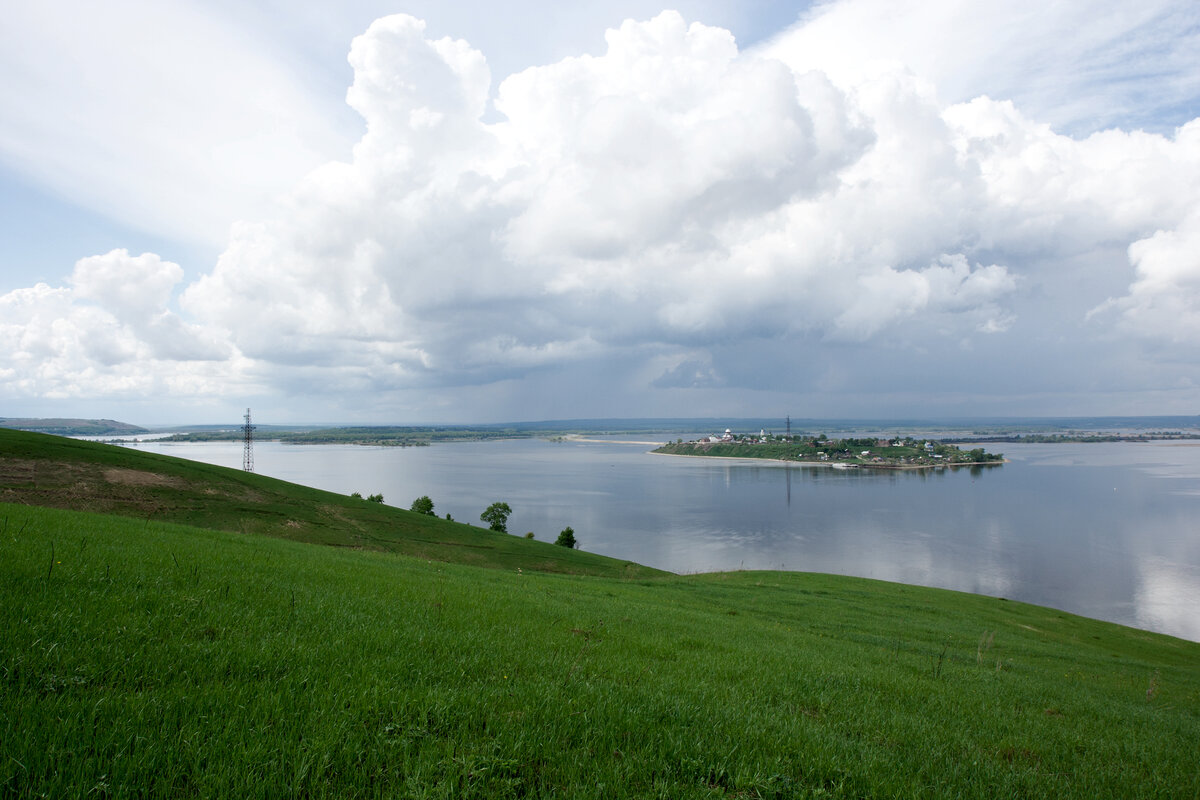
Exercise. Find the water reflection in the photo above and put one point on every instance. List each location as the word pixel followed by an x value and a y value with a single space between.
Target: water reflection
pixel 1161 601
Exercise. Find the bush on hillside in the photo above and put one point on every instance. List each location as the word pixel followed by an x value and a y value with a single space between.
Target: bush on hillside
pixel 567 537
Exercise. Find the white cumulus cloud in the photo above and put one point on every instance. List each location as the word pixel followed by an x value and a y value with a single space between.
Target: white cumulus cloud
pixel 109 333
pixel 1163 302
pixel 670 191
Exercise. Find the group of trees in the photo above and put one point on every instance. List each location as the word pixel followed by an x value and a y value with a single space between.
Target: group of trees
pixel 496 516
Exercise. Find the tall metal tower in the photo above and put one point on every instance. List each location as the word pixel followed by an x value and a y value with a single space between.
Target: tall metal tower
pixel 248 438
pixel 789 426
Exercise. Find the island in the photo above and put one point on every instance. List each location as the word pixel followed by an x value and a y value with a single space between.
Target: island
pixel 875 453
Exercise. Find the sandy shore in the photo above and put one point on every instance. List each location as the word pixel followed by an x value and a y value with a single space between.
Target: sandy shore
pixel 578 438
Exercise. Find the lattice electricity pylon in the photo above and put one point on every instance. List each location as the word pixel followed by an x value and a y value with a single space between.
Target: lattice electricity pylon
pixel 248 450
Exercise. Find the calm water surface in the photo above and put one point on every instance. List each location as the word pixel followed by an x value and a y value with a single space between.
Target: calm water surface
pixel 1105 530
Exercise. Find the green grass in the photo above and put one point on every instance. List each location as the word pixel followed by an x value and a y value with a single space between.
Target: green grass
pixel 146 659
pixel 52 471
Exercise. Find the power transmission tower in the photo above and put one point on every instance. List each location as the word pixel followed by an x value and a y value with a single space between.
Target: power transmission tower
pixel 789 426
pixel 248 438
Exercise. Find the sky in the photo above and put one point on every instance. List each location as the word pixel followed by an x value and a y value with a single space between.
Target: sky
pixel 455 211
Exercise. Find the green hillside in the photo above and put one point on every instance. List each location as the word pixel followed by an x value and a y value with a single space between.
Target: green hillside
pixel 66 473
pixel 142 658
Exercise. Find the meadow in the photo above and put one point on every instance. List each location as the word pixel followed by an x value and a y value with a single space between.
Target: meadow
pixel 147 658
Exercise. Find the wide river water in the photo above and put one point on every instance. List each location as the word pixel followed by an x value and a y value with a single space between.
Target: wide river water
pixel 1110 531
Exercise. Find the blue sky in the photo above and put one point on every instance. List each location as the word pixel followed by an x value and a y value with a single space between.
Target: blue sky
pixel 446 211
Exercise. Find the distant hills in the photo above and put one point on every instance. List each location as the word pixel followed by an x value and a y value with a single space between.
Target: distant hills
pixel 72 427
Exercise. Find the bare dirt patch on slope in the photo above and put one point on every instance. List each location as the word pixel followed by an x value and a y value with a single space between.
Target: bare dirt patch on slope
pixel 82 486
pixel 136 477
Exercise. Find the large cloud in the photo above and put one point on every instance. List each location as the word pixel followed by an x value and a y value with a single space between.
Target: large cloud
pixel 668 193
pixel 653 204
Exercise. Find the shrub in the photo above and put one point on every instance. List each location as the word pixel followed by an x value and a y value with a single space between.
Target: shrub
pixel 566 538
pixel 375 498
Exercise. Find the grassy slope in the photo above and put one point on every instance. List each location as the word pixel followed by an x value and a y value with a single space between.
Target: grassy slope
pixel 144 658
pixel 65 473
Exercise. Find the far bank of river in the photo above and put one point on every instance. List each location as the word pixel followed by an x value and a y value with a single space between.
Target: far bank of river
pixel 1104 530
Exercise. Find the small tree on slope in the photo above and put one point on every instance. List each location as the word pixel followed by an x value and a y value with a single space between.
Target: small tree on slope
pixel 496 516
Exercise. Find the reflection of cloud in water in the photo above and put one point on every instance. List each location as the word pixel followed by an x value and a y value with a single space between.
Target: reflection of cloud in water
pixel 891 547
pixel 1168 596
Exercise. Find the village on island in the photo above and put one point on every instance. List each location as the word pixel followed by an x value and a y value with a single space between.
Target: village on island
pixel 886 453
